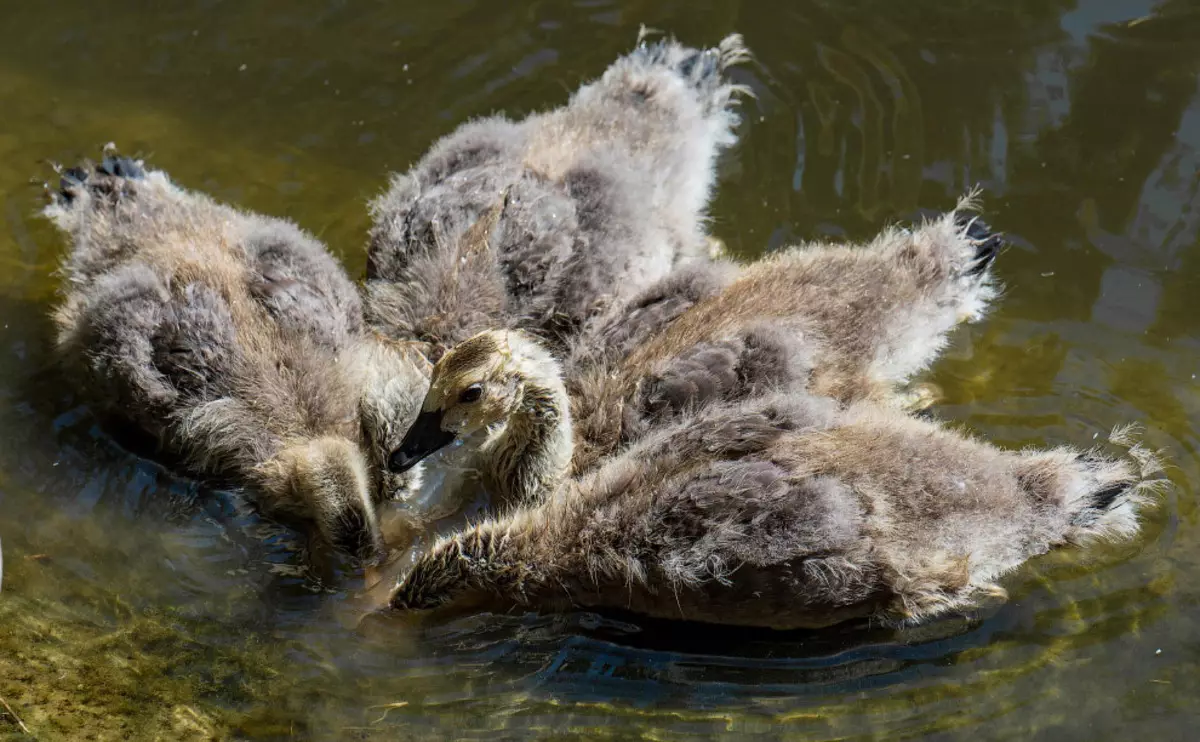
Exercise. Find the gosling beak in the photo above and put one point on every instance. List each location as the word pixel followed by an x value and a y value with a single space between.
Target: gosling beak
pixel 423 438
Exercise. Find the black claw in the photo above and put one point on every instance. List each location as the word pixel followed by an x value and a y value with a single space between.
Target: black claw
pixel 71 180
pixel 989 244
pixel 977 229
pixel 699 65
pixel 134 169
pixel 1104 499
pixel 688 64
pixel 120 167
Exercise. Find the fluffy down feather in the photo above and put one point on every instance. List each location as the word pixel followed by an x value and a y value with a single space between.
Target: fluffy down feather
pixel 232 340
pixel 544 222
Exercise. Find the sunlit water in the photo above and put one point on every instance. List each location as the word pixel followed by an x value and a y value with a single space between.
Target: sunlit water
pixel 136 605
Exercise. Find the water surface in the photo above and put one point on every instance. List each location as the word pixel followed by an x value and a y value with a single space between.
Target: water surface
pixel 140 606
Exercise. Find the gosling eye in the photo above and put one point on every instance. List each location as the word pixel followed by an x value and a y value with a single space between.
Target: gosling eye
pixel 471 394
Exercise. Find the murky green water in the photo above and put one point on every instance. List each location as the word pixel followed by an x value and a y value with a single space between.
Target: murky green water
pixel 139 606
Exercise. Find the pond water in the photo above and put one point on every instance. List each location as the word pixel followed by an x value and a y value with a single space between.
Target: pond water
pixel 139 606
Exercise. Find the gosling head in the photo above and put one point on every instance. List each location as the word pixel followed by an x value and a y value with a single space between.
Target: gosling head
pixel 392 377
pixel 477 385
pixel 327 481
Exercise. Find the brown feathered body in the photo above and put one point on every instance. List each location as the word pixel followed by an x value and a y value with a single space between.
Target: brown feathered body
pixel 234 341
pixel 542 223
pixel 850 322
pixel 785 511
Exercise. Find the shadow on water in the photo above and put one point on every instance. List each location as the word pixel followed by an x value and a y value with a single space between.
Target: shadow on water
pixel 139 605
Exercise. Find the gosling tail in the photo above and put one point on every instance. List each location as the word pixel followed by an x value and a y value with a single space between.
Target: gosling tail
pixel 1108 495
pixel 987 243
pixel 679 97
pixel 704 70
pixel 102 178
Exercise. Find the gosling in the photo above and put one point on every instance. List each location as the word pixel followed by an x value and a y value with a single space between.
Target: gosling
pixel 784 511
pixel 851 322
pixel 235 342
pixel 544 222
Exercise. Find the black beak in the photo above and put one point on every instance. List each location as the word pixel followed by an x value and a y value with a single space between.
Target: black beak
pixel 423 438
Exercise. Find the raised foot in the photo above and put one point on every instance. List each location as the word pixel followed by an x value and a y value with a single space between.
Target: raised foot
pixel 987 243
pixel 1116 490
pixel 98 176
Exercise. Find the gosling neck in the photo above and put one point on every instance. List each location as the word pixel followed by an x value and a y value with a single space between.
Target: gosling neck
pixel 533 452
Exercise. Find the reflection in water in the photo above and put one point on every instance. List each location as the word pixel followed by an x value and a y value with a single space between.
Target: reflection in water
pixel 136 604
